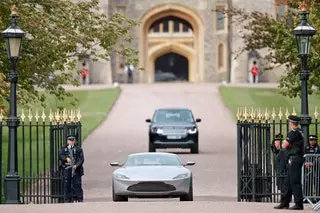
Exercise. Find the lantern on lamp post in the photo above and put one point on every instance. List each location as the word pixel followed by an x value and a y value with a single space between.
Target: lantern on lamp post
pixel 304 33
pixel 13 36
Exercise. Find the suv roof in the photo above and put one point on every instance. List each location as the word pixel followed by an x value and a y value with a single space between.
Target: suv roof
pixel 173 108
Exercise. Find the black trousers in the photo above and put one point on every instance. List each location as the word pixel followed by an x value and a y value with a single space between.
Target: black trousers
pixel 130 78
pixel 73 187
pixel 281 183
pixel 292 183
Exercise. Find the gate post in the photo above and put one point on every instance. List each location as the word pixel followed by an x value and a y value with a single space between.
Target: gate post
pixel 239 139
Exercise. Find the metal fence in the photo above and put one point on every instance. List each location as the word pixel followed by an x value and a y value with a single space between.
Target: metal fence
pixel 39 139
pixel 258 180
pixel 311 179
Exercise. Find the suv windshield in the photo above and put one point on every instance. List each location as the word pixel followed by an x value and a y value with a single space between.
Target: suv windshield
pixel 173 116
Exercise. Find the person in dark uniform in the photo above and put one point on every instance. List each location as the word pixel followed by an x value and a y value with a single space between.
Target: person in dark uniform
pixel 292 182
pixel 71 160
pixel 281 161
pixel 313 147
pixel 313 174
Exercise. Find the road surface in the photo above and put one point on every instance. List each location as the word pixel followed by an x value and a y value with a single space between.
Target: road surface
pixel 125 132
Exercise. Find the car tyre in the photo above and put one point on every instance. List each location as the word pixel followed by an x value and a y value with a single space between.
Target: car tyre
pixel 151 148
pixel 189 196
pixel 118 198
pixel 195 149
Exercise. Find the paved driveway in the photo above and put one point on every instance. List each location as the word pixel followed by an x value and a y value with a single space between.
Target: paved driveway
pixel 126 132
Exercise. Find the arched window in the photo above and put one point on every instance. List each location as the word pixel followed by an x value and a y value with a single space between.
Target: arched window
pixel 170 24
pixel 220 18
pixel 220 56
pixel 281 7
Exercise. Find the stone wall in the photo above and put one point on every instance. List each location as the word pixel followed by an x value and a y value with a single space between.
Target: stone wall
pixel 135 9
pixel 241 65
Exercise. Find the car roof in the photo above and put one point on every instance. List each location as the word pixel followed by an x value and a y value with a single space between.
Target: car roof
pixel 173 108
pixel 152 153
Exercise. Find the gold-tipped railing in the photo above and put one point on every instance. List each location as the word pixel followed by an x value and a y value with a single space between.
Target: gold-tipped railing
pixel 252 114
pixel 58 116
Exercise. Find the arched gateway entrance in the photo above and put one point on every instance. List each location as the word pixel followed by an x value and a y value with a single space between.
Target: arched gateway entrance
pixel 171 67
pixel 171 41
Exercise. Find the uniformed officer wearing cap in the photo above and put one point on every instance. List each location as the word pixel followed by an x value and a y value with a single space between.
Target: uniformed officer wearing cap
pixel 71 160
pixel 292 182
pixel 313 147
pixel 281 161
pixel 313 173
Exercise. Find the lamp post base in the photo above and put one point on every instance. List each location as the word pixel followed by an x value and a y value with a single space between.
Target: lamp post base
pixel 12 189
pixel 305 122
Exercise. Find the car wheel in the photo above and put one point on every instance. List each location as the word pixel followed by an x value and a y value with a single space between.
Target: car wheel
pixel 151 148
pixel 118 198
pixel 189 196
pixel 195 148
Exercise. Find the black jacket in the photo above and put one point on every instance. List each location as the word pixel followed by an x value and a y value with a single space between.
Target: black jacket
pixel 78 158
pixel 312 150
pixel 281 162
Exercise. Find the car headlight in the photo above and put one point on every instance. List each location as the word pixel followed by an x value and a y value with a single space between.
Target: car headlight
pixel 156 130
pixel 159 131
pixel 192 131
pixel 120 176
pixel 181 176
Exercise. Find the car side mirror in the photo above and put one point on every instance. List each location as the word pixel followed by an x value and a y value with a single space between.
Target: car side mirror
pixel 198 120
pixel 148 120
pixel 115 164
pixel 189 163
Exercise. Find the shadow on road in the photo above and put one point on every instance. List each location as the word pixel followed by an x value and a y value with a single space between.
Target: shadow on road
pixel 184 151
pixel 196 198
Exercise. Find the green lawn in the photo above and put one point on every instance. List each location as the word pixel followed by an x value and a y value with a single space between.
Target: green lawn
pixel 94 106
pixel 34 139
pixel 234 97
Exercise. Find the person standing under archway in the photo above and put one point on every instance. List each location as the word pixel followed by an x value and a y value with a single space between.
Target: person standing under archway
pixel 254 71
pixel 84 73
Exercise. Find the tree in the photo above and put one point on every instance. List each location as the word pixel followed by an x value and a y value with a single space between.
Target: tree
pixel 274 34
pixel 59 33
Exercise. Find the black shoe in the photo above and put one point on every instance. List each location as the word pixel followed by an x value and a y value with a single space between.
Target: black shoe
pixel 281 206
pixel 296 207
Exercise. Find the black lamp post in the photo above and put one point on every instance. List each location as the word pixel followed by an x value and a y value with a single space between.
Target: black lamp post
pixel 304 33
pixel 13 36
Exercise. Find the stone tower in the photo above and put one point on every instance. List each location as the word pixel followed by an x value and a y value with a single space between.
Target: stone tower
pixel 190 40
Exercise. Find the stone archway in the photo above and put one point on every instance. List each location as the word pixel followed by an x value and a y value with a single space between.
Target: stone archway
pixel 171 67
pixel 164 48
pixel 187 43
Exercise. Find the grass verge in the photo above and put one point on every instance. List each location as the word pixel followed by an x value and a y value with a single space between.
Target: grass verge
pixel 234 97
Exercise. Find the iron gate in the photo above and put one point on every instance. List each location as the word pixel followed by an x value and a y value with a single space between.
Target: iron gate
pixel 38 165
pixel 255 172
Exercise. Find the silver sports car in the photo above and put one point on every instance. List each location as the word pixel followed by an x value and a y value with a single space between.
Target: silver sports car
pixel 152 175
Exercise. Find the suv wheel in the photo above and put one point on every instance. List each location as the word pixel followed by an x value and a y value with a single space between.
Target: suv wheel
pixel 151 148
pixel 195 149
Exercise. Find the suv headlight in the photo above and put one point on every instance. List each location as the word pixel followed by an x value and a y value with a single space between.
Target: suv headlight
pixel 120 176
pixel 157 130
pixel 181 176
pixel 192 130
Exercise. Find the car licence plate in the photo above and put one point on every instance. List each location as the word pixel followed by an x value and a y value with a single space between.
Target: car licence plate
pixel 173 137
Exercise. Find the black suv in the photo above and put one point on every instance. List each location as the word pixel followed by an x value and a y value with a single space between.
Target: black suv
pixel 173 128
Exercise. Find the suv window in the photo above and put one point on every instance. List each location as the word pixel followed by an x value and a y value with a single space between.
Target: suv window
pixel 173 116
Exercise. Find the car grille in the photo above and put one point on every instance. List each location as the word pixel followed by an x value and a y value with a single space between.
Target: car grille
pixel 151 187
pixel 174 131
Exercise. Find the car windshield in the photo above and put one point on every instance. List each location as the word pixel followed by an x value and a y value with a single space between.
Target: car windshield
pixel 173 116
pixel 153 160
